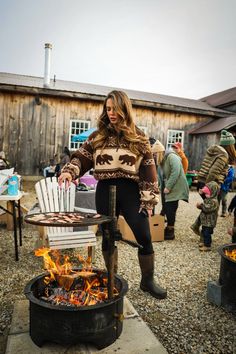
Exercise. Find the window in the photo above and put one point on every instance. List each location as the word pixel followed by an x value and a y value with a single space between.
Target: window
pixel 77 127
pixel 174 136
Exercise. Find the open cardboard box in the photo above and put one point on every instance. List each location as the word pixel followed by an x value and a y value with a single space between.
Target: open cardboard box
pixel 156 222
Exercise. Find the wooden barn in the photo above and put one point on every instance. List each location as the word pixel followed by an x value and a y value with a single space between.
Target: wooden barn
pixel 210 131
pixel 38 120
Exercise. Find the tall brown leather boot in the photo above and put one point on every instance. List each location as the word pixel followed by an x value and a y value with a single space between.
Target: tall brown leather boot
pixel 148 284
pixel 106 258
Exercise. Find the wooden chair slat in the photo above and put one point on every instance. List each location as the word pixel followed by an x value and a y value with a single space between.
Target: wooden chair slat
pixel 53 198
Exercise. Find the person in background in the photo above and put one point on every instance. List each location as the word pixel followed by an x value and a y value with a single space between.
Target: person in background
pixel 232 208
pixel 64 157
pixel 120 154
pixel 214 166
pixel 4 164
pixel 177 147
pixel 175 187
pixel 224 189
pixel 158 151
pixel 232 232
pixel 152 142
pixel 208 216
pixel 51 170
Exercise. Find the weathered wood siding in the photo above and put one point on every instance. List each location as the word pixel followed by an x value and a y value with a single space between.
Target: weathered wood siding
pixel 158 123
pixel 198 146
pixel 32 133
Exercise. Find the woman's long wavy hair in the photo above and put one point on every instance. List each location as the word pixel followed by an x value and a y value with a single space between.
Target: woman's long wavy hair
pixel 231 152
pixel 125 125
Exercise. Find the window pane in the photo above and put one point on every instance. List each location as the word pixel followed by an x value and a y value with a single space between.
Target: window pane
pixel 77 127
pixel 174 136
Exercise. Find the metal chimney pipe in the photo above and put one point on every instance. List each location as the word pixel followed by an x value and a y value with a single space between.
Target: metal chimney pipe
pixel 47 65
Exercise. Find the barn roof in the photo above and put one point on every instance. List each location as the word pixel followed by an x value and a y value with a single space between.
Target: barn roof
pixel 69 89
pixel 215 125
pixel 221 98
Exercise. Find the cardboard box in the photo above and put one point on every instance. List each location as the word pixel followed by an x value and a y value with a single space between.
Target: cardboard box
pixel 156 222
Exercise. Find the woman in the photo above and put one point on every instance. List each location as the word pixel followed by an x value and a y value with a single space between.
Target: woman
pixel 120 154
pixel 174 187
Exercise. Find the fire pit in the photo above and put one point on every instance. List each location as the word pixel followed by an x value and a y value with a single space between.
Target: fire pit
pixel 227 277
pixel 99 324
pixel 83 305
pixel 223 292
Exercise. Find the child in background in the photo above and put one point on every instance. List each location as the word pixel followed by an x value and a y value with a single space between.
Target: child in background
pixel 51 170
pixel 232 232
pixel 208 216
pixel 224 189
pixel 232 208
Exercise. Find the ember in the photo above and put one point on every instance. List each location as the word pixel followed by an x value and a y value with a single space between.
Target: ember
pixel 69 286
pixel 231 254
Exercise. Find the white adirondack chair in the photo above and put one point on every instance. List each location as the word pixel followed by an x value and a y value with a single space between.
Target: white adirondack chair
pixel 52 198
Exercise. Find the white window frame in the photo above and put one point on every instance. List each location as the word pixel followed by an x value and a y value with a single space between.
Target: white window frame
pixel 174 136
pixel 77 126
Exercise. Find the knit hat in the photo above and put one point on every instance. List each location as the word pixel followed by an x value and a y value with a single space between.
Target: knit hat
pixel 226 138
pixel 206 190
pixel 177 145
pixel 157 147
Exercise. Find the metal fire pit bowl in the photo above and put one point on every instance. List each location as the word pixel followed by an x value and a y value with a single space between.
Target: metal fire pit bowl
pixel 99 324
pixel 227 277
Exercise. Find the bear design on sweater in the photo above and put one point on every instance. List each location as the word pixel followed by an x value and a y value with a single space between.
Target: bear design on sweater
pixel 104 159
pixel 129 160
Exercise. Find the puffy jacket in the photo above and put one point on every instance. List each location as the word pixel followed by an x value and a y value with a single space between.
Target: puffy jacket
pixel 209 208
pixel 214 165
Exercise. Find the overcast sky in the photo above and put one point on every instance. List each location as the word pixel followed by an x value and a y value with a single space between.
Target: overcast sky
pixel 184 48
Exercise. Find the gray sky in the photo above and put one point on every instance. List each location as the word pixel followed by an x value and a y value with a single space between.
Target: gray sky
pixel 184 48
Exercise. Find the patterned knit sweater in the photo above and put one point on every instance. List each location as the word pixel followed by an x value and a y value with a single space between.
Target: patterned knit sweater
pixel 116 160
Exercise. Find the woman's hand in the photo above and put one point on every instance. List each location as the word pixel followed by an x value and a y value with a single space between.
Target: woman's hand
pixel 65 176
pixel 146 212
pixel 166 190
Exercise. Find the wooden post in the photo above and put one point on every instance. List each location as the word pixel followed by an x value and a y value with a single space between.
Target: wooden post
pixel 111 249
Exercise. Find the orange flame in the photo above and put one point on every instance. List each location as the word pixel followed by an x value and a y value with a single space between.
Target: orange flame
pixel 231 254
pixel 89 293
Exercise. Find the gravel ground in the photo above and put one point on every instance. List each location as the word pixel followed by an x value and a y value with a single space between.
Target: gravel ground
pixel 185 322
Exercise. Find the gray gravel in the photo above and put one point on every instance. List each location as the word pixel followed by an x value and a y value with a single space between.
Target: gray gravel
pixel 184 323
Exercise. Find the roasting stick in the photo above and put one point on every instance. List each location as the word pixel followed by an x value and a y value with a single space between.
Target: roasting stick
pixel 111 249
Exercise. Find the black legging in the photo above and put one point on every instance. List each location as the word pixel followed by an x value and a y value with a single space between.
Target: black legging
pixel 170 211
pixel 127 203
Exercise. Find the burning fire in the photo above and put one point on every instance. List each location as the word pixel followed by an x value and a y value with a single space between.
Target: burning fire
pixel 231 254
pixel 67 286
